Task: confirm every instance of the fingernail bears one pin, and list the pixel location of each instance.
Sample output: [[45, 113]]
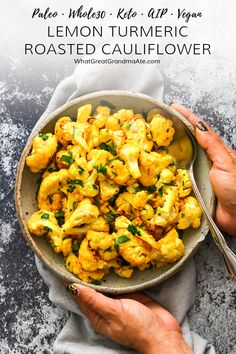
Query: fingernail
[[71, 288], [200, 125]]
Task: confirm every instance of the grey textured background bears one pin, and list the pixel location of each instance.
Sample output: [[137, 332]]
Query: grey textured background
[[29, 323]]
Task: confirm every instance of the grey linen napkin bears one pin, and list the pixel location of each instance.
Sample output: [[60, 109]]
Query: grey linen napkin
[[177, 294]]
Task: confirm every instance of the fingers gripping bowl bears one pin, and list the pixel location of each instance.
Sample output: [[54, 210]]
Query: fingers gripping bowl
[[107, 187]]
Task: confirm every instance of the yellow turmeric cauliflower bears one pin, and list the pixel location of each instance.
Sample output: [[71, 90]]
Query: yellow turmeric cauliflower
[[44, 147], [162, 130], [111, 196]]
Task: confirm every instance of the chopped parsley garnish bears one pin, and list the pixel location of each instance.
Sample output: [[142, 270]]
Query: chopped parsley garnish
[[168, 184], [160, 190], [76, 245], [152, 189], [50, 169], [128, 127], [112, 201], [111, 216], [77, 181], [81, 170], [137, 189], [68, 158], [96, 282], [111, 160], [107, 147], [95, 186], [133, 229], [44, 136], [45, 216], [119, 240], [48, 229], [101, 169], [60, 216], [108, 249]]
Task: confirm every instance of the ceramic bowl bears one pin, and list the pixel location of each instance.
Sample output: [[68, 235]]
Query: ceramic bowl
[[26, 188]]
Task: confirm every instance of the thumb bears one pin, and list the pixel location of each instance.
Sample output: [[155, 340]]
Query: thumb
[[207, 138], [90, 300]]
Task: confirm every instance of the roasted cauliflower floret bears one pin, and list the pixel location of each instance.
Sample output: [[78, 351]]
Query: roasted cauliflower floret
[[124, 272], [73, 264], [89, 259], [183, 182], [140, 199], [118, 171], [97, 157], [84, 113], [66, 246], [168, 213], [44, 147], [171, 247], [137, 131], [101, 115], [190, 214], [63, 130], [166, 175], [103, 243], [51, 185], [85, 213], [162, 130], [43, 222], [124, 116], [107, 190], [124, 224], [130, 154]]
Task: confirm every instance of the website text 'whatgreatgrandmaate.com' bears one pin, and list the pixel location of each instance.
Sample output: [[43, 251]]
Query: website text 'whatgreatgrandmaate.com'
[[116, 61]]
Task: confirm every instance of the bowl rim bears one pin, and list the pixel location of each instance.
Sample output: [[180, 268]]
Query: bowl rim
[[42, 122]]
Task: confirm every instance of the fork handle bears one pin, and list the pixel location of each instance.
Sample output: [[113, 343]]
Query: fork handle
[[228, 255]]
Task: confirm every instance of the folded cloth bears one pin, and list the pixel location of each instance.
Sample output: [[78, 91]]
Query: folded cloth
[[176, 294]]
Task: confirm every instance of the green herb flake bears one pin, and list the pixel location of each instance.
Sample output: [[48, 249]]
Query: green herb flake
[[137, 189], [108, 249], [48, 229], [133, 229], [111, 216], [60, 216], [169, 184], [77, 181], [81, 170], [119, 240], [128, 127], [44, 136], [107, 147], [101, 169], [68, 158], [112, 201], [95, 186], [161, 191], [45, 216], [111, 160], [76, 246], [152, 189], [50, 169]]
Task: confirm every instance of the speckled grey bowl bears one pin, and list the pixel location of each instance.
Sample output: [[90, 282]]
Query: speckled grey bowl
[[26, 186]]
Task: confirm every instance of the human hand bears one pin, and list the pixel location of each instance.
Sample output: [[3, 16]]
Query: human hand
[[135, 321], [223, 171]]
